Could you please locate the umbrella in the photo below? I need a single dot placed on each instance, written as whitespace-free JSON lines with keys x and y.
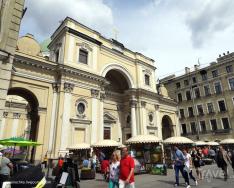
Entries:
{"x":227,"y":141}
{"x":212,"y":143}
{"x":143,"y":139}
{"x":201,"y":143}
{"x":18,"y":141}
{"x":178,"y":140}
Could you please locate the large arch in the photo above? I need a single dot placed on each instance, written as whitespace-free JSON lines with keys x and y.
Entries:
{"x":32,"y":111}
{"x":167,"y":127}
{"x":120,"y":69}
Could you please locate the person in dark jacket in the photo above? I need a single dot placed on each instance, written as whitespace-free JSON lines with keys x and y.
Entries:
{"x":222,"y":160}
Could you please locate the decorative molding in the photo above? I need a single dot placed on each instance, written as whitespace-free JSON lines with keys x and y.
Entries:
{"x":102,"y":96}
{"x":133,"y":103}
{"x":68,"y":87}
{"x":94,"y":93}
{"x":147,"y":71}
{"x":143,"y":104}
{"x":5,"y":114}
{"x":16,"y":115}
{"x":109,"y":118}
{"x":152,"y":128}
{"x":56,"y":87}
{"x":84,"y":46}
{"x":156,"y":106}
{"x":80,"y":121}
{"x":84,"y":102}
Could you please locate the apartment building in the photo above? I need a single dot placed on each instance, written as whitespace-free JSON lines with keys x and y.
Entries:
{"x":205,"y":98}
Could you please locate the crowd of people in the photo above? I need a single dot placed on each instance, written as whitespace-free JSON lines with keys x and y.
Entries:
{"x":185,"y":159}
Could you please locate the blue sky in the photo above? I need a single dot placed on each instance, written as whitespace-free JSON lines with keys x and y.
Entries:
{"x":173,"y":32}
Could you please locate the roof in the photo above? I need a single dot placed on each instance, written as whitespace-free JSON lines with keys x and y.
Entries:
{"x":80,"y":146}
{"x":106,"y":143}
{"x":44,"y":45}
{"x":143,"y":139}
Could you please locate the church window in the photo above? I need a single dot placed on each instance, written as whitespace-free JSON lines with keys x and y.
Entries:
{"x":81,"y":108}
{"x":147,"y":80}
{"x":83,"y":56}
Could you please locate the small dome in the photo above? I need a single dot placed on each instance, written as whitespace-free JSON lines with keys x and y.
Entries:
{"x":28,"y":45}
{"x":44,"y":45}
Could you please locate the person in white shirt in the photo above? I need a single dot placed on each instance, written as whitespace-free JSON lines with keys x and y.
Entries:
{"x":114,"y":170}
{"x":188,"y":166}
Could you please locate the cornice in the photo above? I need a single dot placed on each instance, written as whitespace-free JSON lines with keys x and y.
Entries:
{"x":80,"y":121}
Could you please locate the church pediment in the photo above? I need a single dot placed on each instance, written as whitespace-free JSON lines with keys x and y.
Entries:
{"x":109,"y":118}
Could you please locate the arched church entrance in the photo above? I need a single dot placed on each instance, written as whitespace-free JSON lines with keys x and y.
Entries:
{"x":167,"y":127}
{"x":117,"y":95}
{"x":31,"y":130}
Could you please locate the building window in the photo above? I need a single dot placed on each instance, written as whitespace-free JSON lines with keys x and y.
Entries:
{"x":218,"y":88}
{"x":188,"y":95}
{"x":197,"y":92}
{"x":193,"y":128}
{"x":204,"y":76}
{"x":213,"y":123}
{"x":147,"y":80}
{"x":200,"y":109}
{"x":107,"y":133}
{"x":81,"y":108}
{"x":231,"y":83}
{"x":225,"y":123}
{"x":194,"y":80}
{"x":182,"y":113}
{"x":186,"y":82}
{"x":207,"y":90}
{"x":215,"y":73}
{"x":210,"y":108}
{"x":179,"y":97}
{"x":178,"y":85}
{"x":203,"y":126}
{"x":83,"y":56}
{"x":222,"y":107}
{"x":184,"y":129}
{"x":57,"y":56}
{"x":128,"y":121}
{"x":229,"y":68}
{"x":190,"y":111}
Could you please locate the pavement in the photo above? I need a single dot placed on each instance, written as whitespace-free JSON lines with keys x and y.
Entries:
{"x":212,"y":178}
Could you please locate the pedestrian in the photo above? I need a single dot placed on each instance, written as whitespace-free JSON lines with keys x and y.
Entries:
{"x":178,"y":161}
{"x":105,"y":168}
{"x":188,"y":167}
{"x":5,"y":168}
{"x":232,"y":159}
{"x":211,"y":153}
{"x":114,"y":171}
{"x":94,"y":161}
{"x":126,"y":177}
{"x":45,"y":161}
{"x":222,"y":161}
{"x":196,"y":157}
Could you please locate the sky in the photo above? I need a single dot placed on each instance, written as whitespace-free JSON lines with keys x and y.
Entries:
{"x":175,"y":33}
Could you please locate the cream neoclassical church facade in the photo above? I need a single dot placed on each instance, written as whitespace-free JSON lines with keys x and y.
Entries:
{"x":90,"y":88}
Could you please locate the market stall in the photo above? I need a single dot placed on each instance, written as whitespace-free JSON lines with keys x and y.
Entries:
{"x":104,"y":149}
{"x":201,"y":143}
{"x":175,"y":140}
{"x":211,"y":143}
{"x":147,"y":151}
{"x":80,"y":151}
{"x":228,"y":143}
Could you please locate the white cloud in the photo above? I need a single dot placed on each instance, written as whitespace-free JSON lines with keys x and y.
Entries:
{"x":43,"y":16}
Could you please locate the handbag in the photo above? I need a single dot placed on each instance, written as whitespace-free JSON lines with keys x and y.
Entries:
{"x":201,"y":162}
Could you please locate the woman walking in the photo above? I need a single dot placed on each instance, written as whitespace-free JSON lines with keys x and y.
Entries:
{"x":114,"y":170}
{"x":197,"y":156}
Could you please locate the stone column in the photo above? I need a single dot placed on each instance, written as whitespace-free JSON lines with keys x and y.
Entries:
{"x":65,"y":136}
{"x":144,"y":116}
{"x":27,"y":127}
{"x":15,"y":124}
{"x":94,"y":129}
{"x":2,"y":125}
{"x":53,"y":117}
{"x":158,"y":120}
{"x":133,"y":104}
{"x":101,"y":125}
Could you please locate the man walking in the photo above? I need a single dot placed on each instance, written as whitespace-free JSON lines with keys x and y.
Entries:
{"x":178,"y":160}
{"x":5,"y":167}
{"x":222,"y":161}
{"x":126,"y":178}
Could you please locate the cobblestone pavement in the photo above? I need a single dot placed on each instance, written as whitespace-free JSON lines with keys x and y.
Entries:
{"x":212,"y":178}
